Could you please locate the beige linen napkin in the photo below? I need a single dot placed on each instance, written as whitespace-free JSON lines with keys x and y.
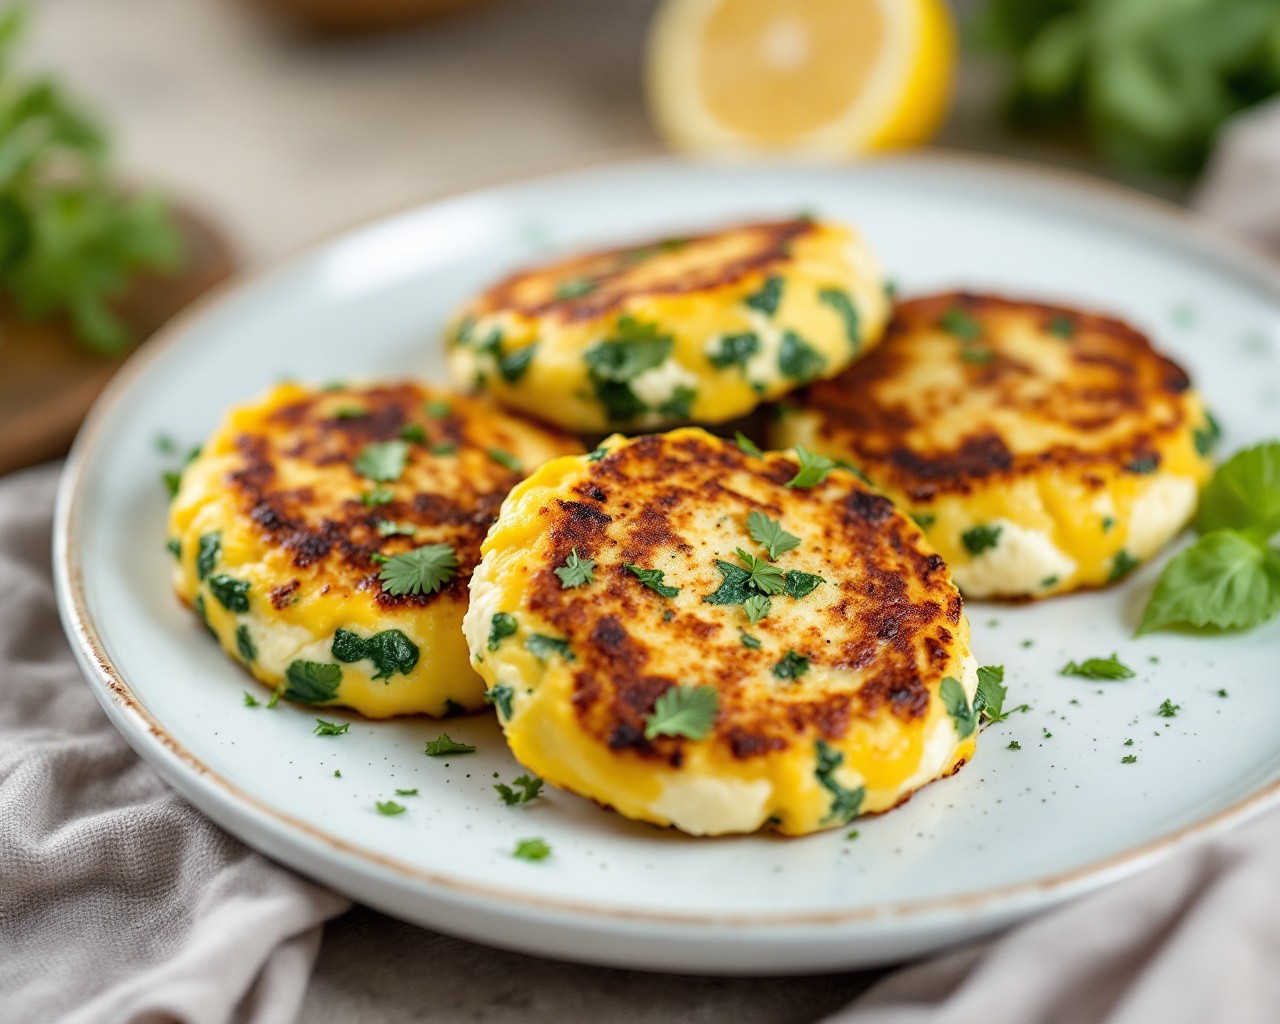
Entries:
{"x":1241,"y":185}
{"x":119,"y":902}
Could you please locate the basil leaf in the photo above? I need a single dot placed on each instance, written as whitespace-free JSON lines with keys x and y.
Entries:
{"x":1244,"y":493}
{"x":1223,"y":580}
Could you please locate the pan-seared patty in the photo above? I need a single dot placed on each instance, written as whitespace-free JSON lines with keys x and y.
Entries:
{"x":684,"y":329}
{"x":327,"y":537}
{"x":1042,"y":449}
{"x":670,"y":629}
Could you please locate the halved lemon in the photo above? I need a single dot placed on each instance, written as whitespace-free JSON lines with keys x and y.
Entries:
{"x":810,"y":77}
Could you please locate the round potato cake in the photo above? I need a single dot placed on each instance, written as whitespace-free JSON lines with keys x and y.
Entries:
{"x":326,"y":538}
{"x":721,"y":641}
{"x":1043,"y":449}
{"x":700,"y":329}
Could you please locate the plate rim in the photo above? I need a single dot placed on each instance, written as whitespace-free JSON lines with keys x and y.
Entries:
{"x":183,"y":770}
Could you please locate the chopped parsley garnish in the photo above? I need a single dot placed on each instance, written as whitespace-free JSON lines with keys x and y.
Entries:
{"x":436,"y":409}
{"x":382,"y":461}
{"x":767,"y":298}
{"x":1015,"y":745}
{"x":463,"y":332}
{"x":542,"y":646}
{"x":989,"y":700}
{"x":756,"y":606}
{"x":423,"y":570}
{"x":813,"y":468}
{"x":960,"y":324}
{"x":766,"y":578}
{"x":1062,"y":326}
{"x":924,"y":520}
{"x":799,"y":584}
{"x":203,"y":614}
{"x":791,"y":666}
{"x":500,"y":697}
{"x":505,"y":459}
{"x":244,"y":643}
{"x":530,"y":788}
{"x":1223,"y":693}
{"x":688,"y":711}
{"x":747,"y":445}
{"x":1144,"y":466}
{"x":770,"y":534}
{"x":387,"y":528}
{"x":389,"y":807}
{"x":798,"y":359}
{"x":444,"y":449}
{"x":501,"y":626}
{"x":1099,"y":668}
{"x":1108,"y":523}
{"x":250,"y":701}
{"x":1206,"y":438}
{"x":1129,"y":759}
{"x":734,"y":350}
{"x":980,"y":538}
{"x":1168,"y":709}
{"x":414,"y":433}
{"x":840,"y":300}
{"x":378,"y":496}
{"x":976,"y":356}
{"x":207,"y":550}
{"x":576,"y":571}
{"x":612,"y":364}
{"x":514,"y":365}
{"x":531,"y":849}
{"x":652,"y":578}
{"x":957,"y":705}
{"x":575,"y":288}
{"x":597,"y":454}
{"x":311,"y":682}
{"x":680,"y":404}
{"x":407,"y":792}
{"x":390,"y":651}
{"x":1123,"y":564}
{"x":845,"y":802}
{"x":324,"y":728}
{"x":232,"y":593}
{"x":350,"y":412}
{"x":174,"y":546}
{"x":442,"y":745}
{"x":748,"y":640}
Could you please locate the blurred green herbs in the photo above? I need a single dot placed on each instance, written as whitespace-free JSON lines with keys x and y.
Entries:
{"x":1149,"y":81}
{"x":70,"y":239}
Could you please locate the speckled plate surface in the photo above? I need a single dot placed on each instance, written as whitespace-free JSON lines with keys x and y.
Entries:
{"x":1016,"y":831}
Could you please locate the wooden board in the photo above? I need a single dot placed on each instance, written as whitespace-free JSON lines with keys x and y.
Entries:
{"x":48,"y":382}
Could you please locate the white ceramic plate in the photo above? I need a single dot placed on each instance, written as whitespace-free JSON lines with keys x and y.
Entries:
{"x":1016,"y":831}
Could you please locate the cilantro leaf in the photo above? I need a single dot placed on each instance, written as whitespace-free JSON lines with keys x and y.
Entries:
{"x":956,"y":702}
{"x":389,"y":807}
{"x":747,"y":445}
{"x":766,"y":578}
{"x":652,"y":578}
{"x":387,"y":528}
{"x":1223,"y":581}
{"x":1168,"y":709}
{"x":845,"y":802}
{"x":311,"y":682}
{"x":532,"y":850}
{"x":250,"y":701}
{"x":501,"y":626}
{"x":232,"y":593}
{"x":1099,"y":668}
{"x":324,"y":728}
{"x":989,"y":699}
{"x":981,"y":538}
{"x":960,"y":324}
{"x":382,"y":461}
{"x":688,"y":711}
{"x":798,"y":359}
{"x":500,"y":697}
{"x":1244,"y":494}
{"x":423,"y":570}
{"x":769,"y":533}
{"x":792,"y":666}
{"x":840,"y":300}
{"x":576,"y":571}
{"x":530,"y":787}
{"x":542,"y":646}
{"x":734,"y":350}
{"x":757,"y":606}
{"x":442,"y":745}
{"x":378,"y":496}
{"x":813,"y":468}
{"x":390,"y":651}
{"x":767,"y":298}
{"x":801,"y":584}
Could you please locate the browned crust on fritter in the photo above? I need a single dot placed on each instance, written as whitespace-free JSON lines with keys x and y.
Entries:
{"x":876,"y":626}
{"x":1136,"y":378}
{"x":612,"y":271}
{"x":333,"y":540}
